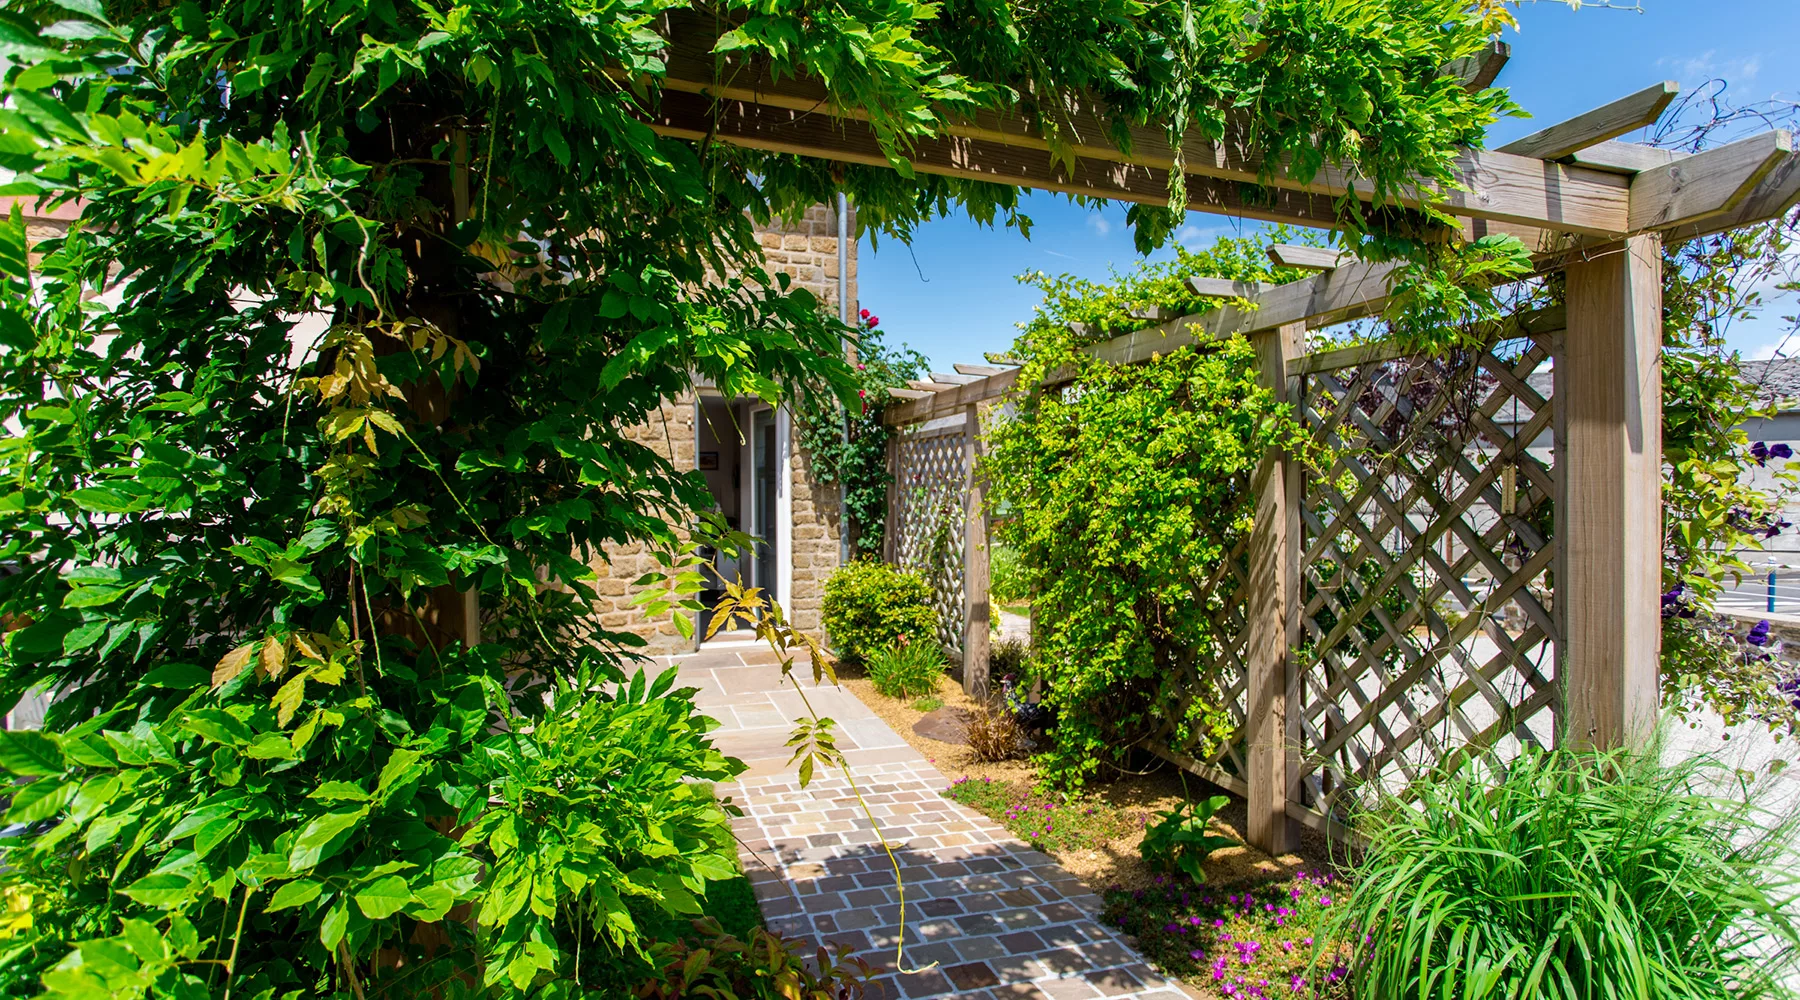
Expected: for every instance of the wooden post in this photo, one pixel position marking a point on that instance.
(975, 566)
(1272, 610)
(890, 529)
(1609, 517)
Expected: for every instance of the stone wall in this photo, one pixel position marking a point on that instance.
(669, 433)
(806, 250)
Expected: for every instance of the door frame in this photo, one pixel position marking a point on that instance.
(784, 493)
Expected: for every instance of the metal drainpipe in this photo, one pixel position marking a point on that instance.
(845, 313)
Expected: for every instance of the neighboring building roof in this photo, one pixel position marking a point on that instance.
(1779, 380)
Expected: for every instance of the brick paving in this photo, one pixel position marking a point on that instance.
(986, 916)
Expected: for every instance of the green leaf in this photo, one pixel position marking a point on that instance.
(101, 500)
(30, 752)
(39, 800)
(383, 898)
(177, 676)
(322, 837)
(339, 791)
(270, 746)
(401, 766)
(89, 8)
(296, 893)
(331, 928)
(162, 891)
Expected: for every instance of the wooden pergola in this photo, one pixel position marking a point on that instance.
(1595, 208)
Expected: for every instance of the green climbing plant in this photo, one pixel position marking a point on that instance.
(847, 444)
(320, 414)
(1125, 488)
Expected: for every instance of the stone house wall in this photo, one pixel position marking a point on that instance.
(806, 250)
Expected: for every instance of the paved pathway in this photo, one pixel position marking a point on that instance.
(1000, 920)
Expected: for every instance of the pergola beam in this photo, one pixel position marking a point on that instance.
(1627, 114)
(1225, 288)
(1694, 189)
(846, 140)
(1499, 186)
(1310, 258)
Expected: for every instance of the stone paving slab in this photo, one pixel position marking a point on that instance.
(986, 916)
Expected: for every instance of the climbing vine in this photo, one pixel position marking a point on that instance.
(1125, 489)
(848, 444)
(320, 415)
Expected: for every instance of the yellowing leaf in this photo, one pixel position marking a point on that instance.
(232, 664)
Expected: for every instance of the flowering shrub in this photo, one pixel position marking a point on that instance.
(1047, 823)
(1254, 942)
(1712, 664)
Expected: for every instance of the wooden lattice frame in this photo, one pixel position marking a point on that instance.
(931, 485)
(1226, 668)
(1385, 690)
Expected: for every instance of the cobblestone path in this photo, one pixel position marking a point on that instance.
(999, 920)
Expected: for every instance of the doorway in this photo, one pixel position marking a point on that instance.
(742, 450)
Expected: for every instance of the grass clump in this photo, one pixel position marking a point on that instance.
(929, 703)
(906, 669)
(1256, 942)
(1577, 875)
(1045, 822)
(994, 735)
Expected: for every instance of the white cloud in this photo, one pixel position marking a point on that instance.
(1099, 223)
(1768, 351)
(1695, 70)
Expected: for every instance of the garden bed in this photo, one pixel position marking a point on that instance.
(1121, 804)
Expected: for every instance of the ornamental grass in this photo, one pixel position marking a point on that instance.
(1578, 875)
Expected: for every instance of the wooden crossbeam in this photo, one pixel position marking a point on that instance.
(1357, 289)
(1498, 186)
(1228, 289)
(1311, 258)
(909, 393)
(1740, 184)
(816, 134)
(1624, 157)
(1478, 72)
(926, 405)
(1627, 114)
(981, 370)
(1712, 183)
(927, 385)
(945, 378)
(1773, 197)
(1153, 314)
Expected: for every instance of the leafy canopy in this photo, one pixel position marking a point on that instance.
(319, 416)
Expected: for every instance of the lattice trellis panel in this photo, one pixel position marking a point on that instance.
(1427, 570)
(1224, 604)
(931, 487)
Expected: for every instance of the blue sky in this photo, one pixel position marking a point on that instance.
(952, 293)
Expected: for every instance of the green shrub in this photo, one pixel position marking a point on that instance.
(1178, 840)
(871, 605)
(756, 965)
(1006, 578)
(929, 703)
(1579, 875)
(1009, 656)
(906, 670)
